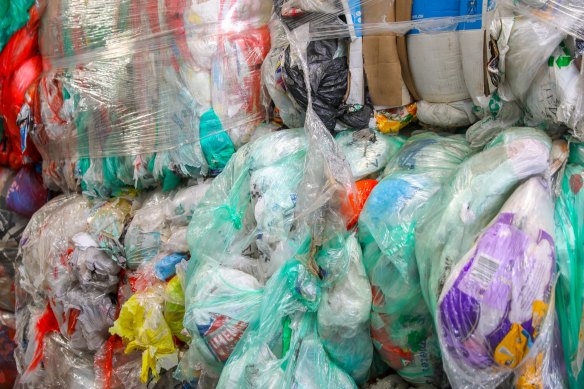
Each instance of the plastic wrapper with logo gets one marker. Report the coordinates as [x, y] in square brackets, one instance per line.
[496, 313]
[147, 93]
[401, 324]
[471, 199]
[569, 290]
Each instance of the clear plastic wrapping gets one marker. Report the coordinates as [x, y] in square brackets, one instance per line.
[566, 15]
[172, 86]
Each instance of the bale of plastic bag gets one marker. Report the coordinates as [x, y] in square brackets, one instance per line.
[147, 94]
[401, 325]
[569, 291]
[495, 311]
[471, 199]
[67, 284]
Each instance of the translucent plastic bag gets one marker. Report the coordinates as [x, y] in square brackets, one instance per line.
[159, 226]
[471, 199]
[367, 151]
[142, 325]
[343, 317]
[281, 348]
[569, 290]
[495, 310]
[401, 325]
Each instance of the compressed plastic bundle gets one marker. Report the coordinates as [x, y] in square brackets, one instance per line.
[448, 65]
[243, 237]
[538, 73]
[20, 69]
[401, 325]
[569, 292]
[334, 66]
[147, 93]
[496, 307]
[472, 198]
[70, 277]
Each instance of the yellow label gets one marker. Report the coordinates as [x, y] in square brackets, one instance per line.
[512, 349]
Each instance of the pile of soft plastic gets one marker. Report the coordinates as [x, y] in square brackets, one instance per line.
[251, 218]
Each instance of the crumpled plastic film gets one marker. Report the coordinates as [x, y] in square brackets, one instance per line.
[142, 326]
[538, 80]
[148, 91]
[401, 325]
[67, 282]
[564, 14]
[158, 227]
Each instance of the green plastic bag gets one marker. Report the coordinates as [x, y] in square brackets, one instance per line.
[569, 218]
[401, 325]
[13, 16]
[281, 348]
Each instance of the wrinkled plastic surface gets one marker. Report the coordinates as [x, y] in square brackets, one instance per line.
[472, 198]
[148, 89]
[401, 325]
[563, 14]
[20, 69]
[495, 312]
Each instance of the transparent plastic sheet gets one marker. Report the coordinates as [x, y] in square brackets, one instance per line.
[20, 68]
[401, 324]
[566, 15]
[496, 311]
[569, 290]
[146, 90]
